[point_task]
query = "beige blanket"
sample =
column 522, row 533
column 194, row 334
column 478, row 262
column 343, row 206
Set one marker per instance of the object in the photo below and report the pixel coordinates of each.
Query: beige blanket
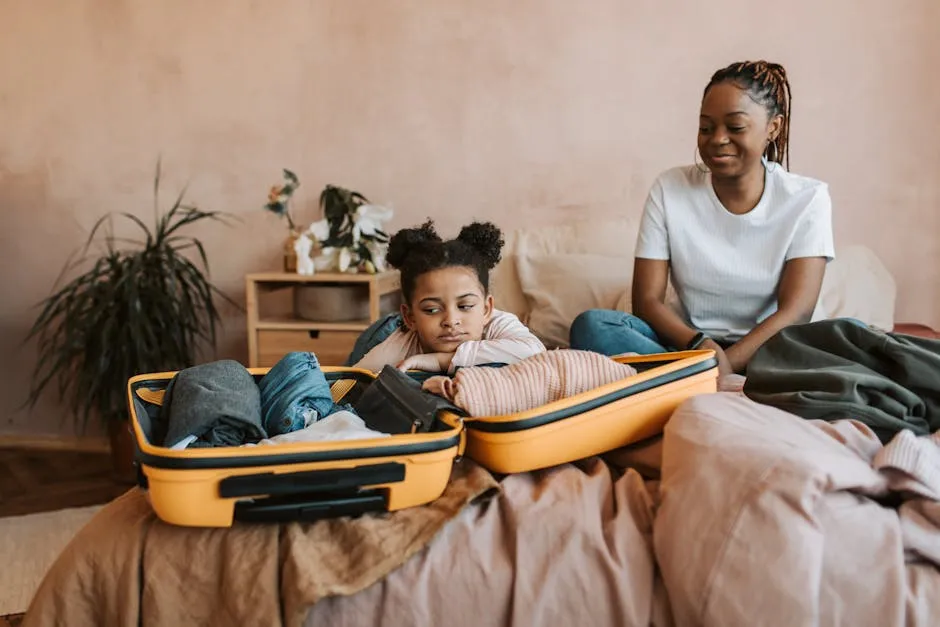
column 760, row 518
column 126, row 567
column 567, row 546
column 767, row 519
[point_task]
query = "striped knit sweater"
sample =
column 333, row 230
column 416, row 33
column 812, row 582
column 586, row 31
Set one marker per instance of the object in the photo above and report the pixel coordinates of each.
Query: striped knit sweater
column 534, row 381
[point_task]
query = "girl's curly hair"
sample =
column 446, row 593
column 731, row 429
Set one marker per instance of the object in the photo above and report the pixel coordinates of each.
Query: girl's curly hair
column 417, row 251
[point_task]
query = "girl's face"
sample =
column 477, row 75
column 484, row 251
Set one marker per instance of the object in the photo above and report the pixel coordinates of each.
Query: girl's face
column 448, row 308
column 733, row 131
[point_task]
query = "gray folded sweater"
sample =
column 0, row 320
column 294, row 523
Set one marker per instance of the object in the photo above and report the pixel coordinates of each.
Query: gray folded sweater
column 218, row 402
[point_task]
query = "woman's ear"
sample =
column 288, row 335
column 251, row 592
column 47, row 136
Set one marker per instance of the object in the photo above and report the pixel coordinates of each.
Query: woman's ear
column 774, row 127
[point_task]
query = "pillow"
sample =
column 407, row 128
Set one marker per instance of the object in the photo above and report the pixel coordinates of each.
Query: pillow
column 558, row 287
column 858, row 285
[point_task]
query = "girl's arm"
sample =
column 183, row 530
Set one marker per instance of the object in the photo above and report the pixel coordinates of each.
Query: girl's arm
column 395, row 348
column 506, row 340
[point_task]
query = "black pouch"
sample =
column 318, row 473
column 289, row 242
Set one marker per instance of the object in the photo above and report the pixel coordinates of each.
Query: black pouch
column 395, row 403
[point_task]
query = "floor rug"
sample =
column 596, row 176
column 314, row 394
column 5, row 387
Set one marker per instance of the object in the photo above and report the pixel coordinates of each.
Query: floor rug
column 28, row 547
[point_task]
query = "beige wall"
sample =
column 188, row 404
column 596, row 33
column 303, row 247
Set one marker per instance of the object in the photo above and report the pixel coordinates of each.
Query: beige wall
column 519, row 112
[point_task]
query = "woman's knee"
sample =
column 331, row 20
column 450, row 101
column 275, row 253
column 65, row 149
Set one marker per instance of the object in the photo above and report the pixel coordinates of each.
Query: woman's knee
column 589, row 328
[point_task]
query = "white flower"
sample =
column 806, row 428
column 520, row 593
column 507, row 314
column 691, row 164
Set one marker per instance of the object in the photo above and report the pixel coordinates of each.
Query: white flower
column 370, row 218
column 378, row 255
column 320, row 230
column 345, row 259
column 302, row 247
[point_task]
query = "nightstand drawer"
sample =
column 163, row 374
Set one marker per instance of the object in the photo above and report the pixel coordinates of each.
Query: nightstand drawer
column 331, row 347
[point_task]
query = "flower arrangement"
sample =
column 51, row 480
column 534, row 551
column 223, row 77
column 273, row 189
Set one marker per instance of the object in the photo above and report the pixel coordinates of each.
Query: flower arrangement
column 350, row 234
column 349, row 238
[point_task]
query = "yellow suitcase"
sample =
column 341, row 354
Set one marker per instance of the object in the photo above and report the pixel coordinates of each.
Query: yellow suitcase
column 211, row 487
column 594, row 422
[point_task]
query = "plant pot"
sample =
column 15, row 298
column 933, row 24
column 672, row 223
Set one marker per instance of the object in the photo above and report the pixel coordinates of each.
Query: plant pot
column 331, row 303
column 122, row 451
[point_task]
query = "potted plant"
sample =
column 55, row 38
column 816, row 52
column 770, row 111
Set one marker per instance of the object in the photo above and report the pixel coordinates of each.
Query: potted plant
column 348, row 239
column 138, row 306
column 350, row 235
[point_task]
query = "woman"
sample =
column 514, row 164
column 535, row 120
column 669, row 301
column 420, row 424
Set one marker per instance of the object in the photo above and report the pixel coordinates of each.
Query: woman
column 745, row 241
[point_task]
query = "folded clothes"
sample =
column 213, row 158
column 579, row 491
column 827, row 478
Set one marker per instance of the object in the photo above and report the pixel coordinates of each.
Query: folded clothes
column 530, row 383
column 294, row 393
column 214, row 404
column 342, row 425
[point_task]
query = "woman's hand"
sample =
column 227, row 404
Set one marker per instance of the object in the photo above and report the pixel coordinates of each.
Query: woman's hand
column 428, row 362
column 440, row 385
column 724, row 364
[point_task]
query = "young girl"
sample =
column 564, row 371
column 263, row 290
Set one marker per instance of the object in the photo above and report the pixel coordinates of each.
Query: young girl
column 447, row 315
column 744, row 241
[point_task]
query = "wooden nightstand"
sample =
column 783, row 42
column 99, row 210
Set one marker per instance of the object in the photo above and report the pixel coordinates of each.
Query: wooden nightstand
column 275, row 330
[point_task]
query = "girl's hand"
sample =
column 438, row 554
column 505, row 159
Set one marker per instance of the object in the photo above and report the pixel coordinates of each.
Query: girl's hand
column 428, row 362
column 440, row 385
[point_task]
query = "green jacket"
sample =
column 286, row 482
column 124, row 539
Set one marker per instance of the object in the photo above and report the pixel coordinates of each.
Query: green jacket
column 837, row 369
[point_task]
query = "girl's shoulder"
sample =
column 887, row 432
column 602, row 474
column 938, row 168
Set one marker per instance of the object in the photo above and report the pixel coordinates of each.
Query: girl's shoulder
column 503, row 317
column 500, row 321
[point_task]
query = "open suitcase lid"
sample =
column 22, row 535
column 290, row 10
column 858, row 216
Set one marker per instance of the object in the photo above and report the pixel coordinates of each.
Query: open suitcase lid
column 652, row 371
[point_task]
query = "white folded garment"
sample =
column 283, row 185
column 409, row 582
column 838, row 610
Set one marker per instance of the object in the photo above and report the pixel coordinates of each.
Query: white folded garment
column 343, row 425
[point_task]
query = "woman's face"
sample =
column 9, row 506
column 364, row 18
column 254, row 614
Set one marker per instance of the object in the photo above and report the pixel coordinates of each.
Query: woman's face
column 733, row 131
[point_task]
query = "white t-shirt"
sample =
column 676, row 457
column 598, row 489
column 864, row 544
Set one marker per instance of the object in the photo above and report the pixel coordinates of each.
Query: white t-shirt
column 726, row 268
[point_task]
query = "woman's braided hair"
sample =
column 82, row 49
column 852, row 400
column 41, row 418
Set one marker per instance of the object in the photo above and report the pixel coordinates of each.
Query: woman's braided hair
column 766, row 84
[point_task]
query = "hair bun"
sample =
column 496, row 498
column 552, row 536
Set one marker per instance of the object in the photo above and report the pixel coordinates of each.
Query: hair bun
column 406, row 241
column 486, row 239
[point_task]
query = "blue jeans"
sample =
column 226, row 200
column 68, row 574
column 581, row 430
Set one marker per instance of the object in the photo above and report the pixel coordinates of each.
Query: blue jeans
column 291, row 388
column 614, row 332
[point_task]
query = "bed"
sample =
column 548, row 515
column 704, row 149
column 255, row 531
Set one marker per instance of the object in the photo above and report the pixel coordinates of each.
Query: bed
column 740, row 514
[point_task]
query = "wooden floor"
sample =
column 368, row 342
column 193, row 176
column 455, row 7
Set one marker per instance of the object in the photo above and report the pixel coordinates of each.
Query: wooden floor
column 34, row 480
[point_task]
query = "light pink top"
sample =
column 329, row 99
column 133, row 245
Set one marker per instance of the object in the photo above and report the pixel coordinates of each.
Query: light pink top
column 505, row 340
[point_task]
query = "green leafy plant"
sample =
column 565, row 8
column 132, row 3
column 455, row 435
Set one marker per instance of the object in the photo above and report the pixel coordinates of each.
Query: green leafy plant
column 351, row 229
column 146, row 307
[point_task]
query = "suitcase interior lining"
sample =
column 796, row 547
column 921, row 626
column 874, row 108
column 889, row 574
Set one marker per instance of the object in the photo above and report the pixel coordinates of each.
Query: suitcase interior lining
column 147, row 412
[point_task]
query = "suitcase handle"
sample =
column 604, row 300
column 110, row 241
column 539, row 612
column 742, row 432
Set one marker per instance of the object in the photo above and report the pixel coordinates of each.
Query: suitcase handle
column 279, row 509
column 310, row 481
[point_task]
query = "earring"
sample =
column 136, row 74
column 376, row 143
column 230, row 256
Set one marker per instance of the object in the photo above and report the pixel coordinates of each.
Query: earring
column 701, row 167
